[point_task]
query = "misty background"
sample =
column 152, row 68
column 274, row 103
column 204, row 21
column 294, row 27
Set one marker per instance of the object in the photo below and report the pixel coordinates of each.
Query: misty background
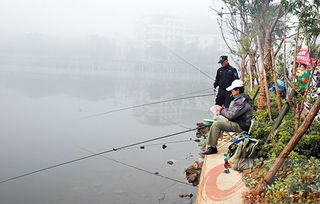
column 61, row 61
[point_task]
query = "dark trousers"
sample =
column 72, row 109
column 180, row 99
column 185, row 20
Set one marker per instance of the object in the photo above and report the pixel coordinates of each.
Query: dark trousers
column 223, row 98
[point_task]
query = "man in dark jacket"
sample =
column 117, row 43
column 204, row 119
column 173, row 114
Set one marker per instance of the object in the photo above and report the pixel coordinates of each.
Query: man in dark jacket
column 225, row 76
column 236, row 118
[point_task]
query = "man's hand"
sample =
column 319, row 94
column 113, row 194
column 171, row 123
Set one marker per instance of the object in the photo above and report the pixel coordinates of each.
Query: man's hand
column 218, row 108
column 214, row 90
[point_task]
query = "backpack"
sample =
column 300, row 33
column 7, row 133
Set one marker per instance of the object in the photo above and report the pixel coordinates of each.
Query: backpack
column 243, row 154
column 232, row 148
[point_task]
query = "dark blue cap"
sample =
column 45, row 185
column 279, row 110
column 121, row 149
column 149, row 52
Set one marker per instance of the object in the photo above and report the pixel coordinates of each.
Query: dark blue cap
column 223, row 58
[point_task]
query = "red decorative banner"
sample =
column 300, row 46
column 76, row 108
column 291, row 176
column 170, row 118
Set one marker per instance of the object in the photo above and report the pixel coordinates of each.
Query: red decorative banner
column 303, row 57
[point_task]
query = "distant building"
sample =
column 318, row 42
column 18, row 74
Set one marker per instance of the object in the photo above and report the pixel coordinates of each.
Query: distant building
column 169, row 30
column 166, row 30
column 195, row 38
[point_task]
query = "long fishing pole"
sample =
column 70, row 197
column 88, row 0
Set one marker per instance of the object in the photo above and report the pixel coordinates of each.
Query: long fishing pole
column 202, row 72
column 148, row 104
column 137, row 168
column 97, row 154
column 131, row 107
column 163, row 143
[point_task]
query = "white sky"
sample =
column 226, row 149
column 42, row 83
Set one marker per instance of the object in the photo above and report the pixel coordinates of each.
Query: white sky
column 89, row 17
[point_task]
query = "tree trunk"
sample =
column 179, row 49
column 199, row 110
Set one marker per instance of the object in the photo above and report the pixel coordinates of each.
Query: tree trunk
column 290, row 146
column 262, row 104
column 275, row 81
column 268, row 30
column 250, row 78
column 285, row 76
column 262, row 93
column 267, row 59
column 298, row 112
column 267, row 95
column 243, row 67
column 252, row 69
column 264, row 99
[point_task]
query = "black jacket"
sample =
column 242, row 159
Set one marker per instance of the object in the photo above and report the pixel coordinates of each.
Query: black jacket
column 224, row 77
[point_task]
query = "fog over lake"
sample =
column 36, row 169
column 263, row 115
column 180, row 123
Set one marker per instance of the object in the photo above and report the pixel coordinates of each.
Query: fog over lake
column 42, row 124
column 57, row 70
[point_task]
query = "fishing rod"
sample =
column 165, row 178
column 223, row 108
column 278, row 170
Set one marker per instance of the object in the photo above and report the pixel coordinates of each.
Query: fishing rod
column 164, row 143
column 135, row 167
column 148, row 104
column 202, row 72
column 96, row 154
column 172, row 142
column 175, row 54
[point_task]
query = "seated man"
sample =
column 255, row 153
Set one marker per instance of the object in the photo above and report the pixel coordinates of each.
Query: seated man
column 236, row 118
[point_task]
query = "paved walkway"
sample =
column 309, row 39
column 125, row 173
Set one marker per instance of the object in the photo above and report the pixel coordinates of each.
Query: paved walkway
column 216, row 186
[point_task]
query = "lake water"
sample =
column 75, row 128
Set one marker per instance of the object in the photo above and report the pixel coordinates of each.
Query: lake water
column 43, row 122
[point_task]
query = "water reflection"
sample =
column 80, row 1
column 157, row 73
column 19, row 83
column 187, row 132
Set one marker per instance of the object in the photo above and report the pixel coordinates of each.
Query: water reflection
column 174, row 112
column 37, row 131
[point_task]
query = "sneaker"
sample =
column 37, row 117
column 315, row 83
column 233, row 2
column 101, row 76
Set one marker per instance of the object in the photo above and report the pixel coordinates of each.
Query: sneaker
column 210, row 150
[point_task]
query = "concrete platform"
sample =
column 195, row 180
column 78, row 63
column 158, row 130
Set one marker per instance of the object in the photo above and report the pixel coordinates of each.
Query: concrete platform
column 216, row 186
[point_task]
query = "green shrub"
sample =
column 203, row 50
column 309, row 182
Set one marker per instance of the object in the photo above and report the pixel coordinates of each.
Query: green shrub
column 297, row 181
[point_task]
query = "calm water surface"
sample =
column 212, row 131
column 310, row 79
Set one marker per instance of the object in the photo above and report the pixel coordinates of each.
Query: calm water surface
column 42, row 123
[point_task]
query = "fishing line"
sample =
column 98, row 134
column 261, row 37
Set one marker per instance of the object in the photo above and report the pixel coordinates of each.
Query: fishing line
column 194, row 92
column 155, row 144
column 166, row 188
column 97, row 154
column 223, row 144
column 205, row 74
column 148, row 104
column 137, row 168
column 175, row 142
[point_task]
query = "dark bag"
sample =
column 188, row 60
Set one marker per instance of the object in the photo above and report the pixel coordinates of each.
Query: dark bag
column 243, row 157
column 232, row 149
